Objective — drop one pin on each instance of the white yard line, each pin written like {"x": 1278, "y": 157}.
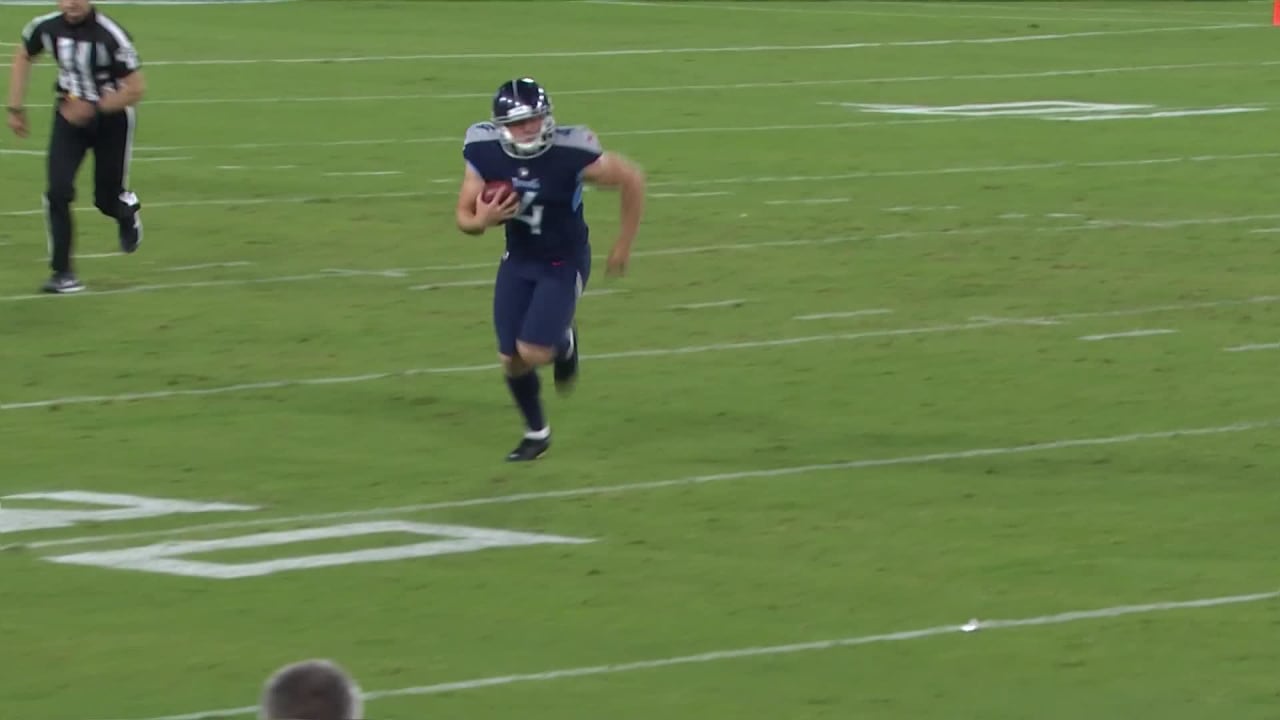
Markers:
{"x": 784, "y": 84}
{"x": 704, "y": 305}
{"x": 652, "y": 352}
{"x": 784, "y": 179}
{"x": 1014, "y": 321}
{"x": 1064, "y": 9}
{"x": 810, "y": 201}
{"x": 87, "y": 256}
{"x": 135, "y": 289}
{"x": 929, "y": 14}
{"x": 1096, "y": 225}
{"x": 971, "y": 169}
{"x": 490, "y": 265}
{"x": 714, "y": 193}
{"x": 346, "y": 272}
{"x": 395, "y": 273}
{"x": 207, "y": 266}
{"x": 1059, "y": 618}
{"x": 1173, "y": 307}
{"x": 1190, "y": 112}
{"x": 921, "y": 208}
{"x": 364, "y": 173}
{"x": 844, "y": 314}
{"x": 1127, "y": 334}
{"x": 347, "y": 379}
{"x": 1250, "y": 348}
{"x": 453, "y": 139}
{"x": 214, "y": 202}
{"x": 446, "y": 139}
{"x": 590, "y": 490}
{"x": 1226, "y": 219}
{"x": 527, "y": 56}
{"x": 453, "y": 284}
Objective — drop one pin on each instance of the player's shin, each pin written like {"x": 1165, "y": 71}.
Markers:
{"x": 526, "y": 390}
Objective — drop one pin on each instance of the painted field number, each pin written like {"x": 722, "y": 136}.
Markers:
{"x": 101, "y": 507}
{"x": 174, "y": 558}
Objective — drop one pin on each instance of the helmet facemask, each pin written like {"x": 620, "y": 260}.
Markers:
{"x": 531, "y": 146}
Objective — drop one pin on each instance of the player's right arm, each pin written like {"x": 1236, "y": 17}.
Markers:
{"x": 474, "y": 215}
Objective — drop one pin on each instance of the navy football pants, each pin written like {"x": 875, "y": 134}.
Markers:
{"x": 534, "y": 300}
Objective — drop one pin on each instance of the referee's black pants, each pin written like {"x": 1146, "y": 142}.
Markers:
{"x": 110, "y": 137}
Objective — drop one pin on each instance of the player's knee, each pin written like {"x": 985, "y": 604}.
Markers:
{"x": 513, "y": 365}
{"x": 535, "y": 355}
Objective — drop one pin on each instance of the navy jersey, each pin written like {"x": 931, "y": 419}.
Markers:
{"x": 550, "y": 224}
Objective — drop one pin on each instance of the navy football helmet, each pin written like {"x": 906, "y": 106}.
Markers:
{"x": 519, "y": 100}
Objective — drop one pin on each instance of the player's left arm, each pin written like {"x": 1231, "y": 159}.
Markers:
{"x": 612, "y": 170}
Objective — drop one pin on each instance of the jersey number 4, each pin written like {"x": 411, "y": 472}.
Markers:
{"x": 530, "y": 214}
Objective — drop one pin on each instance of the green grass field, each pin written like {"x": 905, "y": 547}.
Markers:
{"x": 874, "y": 370}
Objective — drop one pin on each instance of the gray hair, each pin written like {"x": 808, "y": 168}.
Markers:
{"x": 311, "y": 690}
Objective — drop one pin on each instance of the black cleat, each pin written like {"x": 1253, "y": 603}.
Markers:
{"x": 62, "y": 284}
{"x": 130, "y": 224}
{"x": 566, "y": 367}
{"x": 529, "y": 449}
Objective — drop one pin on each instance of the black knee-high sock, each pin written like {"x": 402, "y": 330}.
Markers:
{"x": 525, "y": 389}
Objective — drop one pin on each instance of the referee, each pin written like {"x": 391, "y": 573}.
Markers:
{"x": 99, "y": 82}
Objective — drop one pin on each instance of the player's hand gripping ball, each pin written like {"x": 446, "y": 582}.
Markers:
{"x": 497, "y": 203}
{"x": 496, "y": 191}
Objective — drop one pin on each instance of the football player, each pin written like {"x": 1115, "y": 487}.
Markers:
{"x": 547, "y": 261}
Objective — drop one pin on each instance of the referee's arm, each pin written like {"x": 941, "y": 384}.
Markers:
{"x": 127, "y": 70}
{"x": 132, "y": 87}
{"x": 19, "y": 76}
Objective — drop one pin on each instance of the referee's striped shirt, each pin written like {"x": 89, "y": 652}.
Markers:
{"x": 92, "y": 55}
